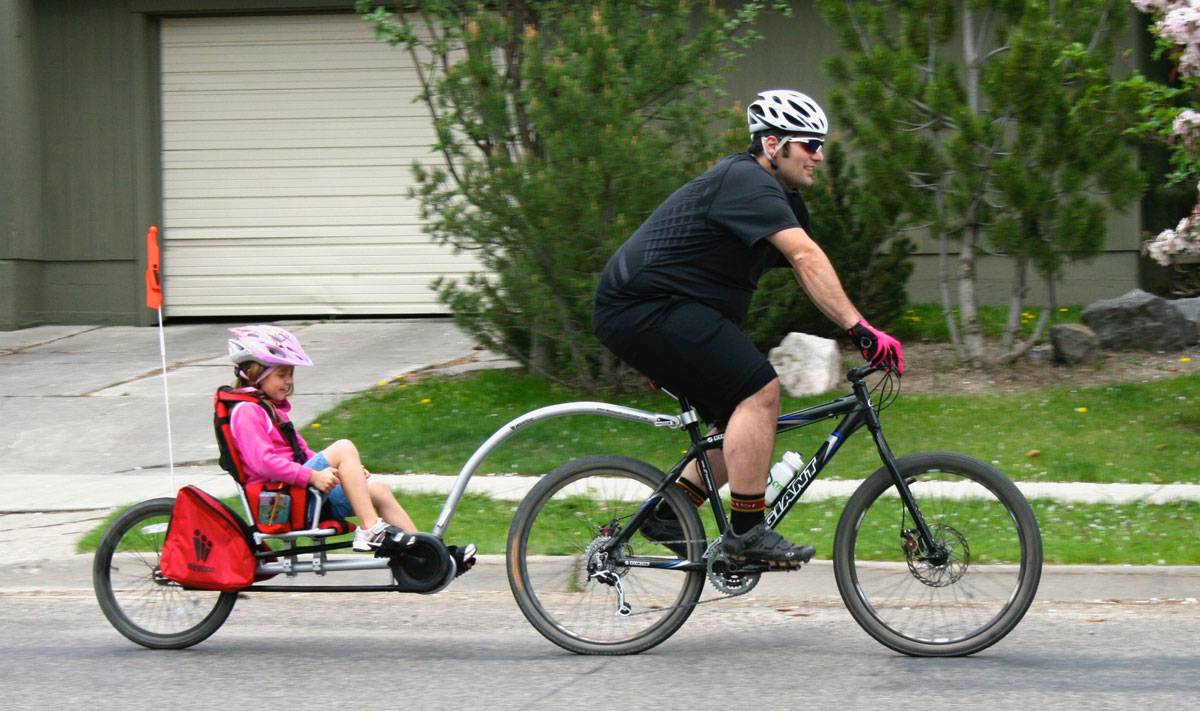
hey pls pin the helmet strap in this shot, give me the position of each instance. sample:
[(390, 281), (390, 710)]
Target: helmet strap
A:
[(237, 370), (774, 166), (769, 154)]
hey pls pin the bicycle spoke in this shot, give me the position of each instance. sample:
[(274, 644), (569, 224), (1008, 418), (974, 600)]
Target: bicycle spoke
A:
[(568, 582), (143, 606), (965, 593)]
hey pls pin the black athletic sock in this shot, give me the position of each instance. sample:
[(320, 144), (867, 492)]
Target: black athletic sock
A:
[(748, 510), (695, 494)]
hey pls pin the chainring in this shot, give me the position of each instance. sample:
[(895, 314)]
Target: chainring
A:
[(720, 574)]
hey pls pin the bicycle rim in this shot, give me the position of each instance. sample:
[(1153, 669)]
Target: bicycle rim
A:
[(954, 605), (137, 600), (556, 533)]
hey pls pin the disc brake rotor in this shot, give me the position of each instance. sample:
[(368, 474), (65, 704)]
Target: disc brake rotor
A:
[(952, 560)]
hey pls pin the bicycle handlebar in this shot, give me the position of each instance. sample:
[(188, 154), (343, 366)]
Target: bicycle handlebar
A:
[(861, 372)]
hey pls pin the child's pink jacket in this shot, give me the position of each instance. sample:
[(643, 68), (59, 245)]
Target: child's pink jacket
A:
[(265, 453)]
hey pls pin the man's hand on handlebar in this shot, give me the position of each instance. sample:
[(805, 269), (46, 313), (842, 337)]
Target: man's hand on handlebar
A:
[(877, 347)]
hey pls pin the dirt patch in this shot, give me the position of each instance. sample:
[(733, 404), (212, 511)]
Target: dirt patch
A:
[(934, 368)]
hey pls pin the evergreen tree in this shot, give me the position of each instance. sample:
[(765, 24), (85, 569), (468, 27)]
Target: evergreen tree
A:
[(999, 126), (561, 125)]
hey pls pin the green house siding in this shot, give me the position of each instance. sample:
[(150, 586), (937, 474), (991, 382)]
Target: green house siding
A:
[(82, 181)]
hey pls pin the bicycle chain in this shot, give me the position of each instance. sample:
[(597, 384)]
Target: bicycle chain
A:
[(718, 598)]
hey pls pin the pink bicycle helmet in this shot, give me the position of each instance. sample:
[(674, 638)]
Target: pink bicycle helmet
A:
[(269, 345)]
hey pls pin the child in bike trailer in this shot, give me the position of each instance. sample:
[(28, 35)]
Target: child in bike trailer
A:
[(264, 357)]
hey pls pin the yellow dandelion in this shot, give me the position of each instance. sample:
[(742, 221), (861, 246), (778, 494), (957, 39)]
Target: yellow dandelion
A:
[(381, 383), (426, 401), (1185, 359), (1081, 409), (315, 425), (1063, 309)]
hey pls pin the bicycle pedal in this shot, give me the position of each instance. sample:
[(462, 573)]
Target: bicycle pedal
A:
[(784, 565)]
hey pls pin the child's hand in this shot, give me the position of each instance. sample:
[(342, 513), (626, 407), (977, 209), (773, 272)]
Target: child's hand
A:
[(323, 480)]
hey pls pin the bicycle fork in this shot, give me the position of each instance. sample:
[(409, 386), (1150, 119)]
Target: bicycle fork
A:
[(934, 553)]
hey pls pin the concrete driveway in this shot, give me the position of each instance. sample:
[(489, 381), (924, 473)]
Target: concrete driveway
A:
[(83, 412)]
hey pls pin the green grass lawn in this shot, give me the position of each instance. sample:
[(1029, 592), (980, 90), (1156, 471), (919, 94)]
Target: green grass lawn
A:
[(1132, 433), (1139, 433), (1162, 534), (925, 322)]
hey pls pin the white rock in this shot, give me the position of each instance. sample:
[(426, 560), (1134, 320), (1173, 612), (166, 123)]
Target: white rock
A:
[(807, 365)]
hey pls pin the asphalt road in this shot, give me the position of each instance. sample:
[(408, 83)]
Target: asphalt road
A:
[(474, 650)]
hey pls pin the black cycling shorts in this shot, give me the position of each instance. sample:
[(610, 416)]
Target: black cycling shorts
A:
[(687, 348)]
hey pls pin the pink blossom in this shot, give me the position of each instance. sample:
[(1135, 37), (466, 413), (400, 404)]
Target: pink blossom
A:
[(1187, 126), (1183, 240), (1181, 25), (1189, 62), (1154, 6), (1149, 6)]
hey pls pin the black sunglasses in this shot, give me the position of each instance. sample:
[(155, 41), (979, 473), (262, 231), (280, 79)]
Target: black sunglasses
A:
[(812, 145)]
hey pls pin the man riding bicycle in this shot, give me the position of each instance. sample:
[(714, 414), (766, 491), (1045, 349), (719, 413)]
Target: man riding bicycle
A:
[(669, 300)]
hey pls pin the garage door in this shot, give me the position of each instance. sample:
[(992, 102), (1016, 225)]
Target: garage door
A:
[(288, 143)]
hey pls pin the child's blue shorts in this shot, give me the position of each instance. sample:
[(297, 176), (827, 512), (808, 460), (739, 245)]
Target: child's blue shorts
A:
[(336, 503)]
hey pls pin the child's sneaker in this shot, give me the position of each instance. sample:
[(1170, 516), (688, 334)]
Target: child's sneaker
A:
[(464, 558), (366, 539)]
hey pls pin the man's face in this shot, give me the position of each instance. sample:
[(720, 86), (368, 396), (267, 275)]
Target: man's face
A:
[(796, 164)]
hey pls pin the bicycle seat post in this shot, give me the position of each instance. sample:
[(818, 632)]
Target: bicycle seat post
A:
[(690, 418)]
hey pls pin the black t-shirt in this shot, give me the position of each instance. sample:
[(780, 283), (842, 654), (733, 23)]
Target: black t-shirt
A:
[(706, 242)]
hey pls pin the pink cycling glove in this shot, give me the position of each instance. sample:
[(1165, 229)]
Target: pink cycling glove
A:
[(877, 347)]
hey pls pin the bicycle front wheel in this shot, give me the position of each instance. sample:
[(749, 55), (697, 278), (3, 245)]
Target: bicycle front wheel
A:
[(569, 590), (136, 598), (970, 590)]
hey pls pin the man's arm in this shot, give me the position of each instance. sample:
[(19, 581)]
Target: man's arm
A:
[(816, 275)]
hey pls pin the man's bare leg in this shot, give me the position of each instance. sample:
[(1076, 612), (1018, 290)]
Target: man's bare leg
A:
[(750, 439)]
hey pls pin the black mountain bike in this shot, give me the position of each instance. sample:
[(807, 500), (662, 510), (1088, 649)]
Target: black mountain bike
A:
[(935, 554)]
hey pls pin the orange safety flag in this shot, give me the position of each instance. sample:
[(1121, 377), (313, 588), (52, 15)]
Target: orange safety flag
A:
[(154, 296)]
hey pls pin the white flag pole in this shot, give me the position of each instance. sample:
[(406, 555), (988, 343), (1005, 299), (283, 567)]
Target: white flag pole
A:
[(154, 301), (162, 352)]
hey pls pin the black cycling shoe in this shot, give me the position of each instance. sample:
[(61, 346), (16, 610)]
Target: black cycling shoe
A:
[(665, 531), (764, 545)]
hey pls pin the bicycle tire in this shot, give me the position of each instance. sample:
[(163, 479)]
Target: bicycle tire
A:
[(959, 607), (554, 591), (141, 604)]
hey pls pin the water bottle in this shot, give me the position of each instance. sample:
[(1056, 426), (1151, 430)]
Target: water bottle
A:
[(781, 475)]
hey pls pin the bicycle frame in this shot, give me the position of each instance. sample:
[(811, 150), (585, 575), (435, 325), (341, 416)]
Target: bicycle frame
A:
[(856, 412), (855, 409)]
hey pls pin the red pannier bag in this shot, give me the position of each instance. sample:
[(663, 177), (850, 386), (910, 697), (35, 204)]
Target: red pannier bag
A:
[(208, 546)]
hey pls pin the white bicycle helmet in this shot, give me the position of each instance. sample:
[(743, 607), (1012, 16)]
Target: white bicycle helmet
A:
[(269, 345), (786, 110)]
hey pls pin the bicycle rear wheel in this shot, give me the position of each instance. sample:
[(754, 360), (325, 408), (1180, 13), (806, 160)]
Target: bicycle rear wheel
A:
[(136, 598), (564, 585), (970, 592)]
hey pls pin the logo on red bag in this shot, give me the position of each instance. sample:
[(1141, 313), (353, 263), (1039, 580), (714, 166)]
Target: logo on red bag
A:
[(203, 547)]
